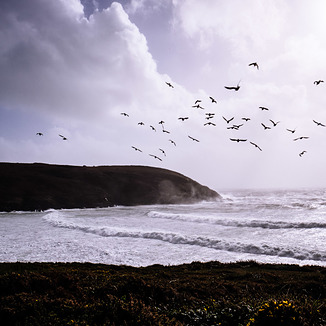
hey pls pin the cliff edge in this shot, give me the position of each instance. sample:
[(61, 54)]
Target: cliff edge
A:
[(38, 186)]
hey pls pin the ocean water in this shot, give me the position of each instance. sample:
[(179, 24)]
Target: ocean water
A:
[(265, 226)]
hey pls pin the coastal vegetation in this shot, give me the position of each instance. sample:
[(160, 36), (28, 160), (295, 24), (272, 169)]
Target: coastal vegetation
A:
[(242, 293)]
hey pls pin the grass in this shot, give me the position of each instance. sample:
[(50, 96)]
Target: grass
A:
[(244, 293)]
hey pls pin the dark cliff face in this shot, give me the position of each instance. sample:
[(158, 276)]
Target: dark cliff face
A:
[(42, 186)]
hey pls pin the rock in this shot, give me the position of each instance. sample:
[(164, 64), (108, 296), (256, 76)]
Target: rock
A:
[(40, 186)]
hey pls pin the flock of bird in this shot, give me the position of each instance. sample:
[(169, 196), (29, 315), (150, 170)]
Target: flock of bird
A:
[(210, 115)]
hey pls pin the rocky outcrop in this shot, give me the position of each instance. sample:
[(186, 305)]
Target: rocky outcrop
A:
[(40, 186)]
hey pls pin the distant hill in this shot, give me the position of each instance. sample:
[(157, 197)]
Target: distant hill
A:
[(40, 186)]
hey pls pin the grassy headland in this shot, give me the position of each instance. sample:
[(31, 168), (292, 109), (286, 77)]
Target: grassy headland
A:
[(213, 293), (29, 187)]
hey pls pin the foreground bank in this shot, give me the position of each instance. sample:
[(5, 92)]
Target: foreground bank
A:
[(211, 293)]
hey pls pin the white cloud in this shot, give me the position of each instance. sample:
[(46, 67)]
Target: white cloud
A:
[(244, 24), (74, 76)]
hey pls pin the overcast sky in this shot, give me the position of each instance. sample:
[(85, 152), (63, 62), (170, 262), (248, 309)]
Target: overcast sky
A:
[(70, 68)]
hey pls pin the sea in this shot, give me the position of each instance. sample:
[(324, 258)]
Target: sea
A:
[(274, 226)]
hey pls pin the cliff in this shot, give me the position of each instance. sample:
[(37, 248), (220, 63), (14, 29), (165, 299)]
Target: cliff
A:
[(40, 186)]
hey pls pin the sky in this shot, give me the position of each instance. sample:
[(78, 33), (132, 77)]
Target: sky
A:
[(71, 68)]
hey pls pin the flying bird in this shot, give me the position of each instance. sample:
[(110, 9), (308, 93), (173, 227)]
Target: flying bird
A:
[(162, 151), (183, 118), (172, 142), (141, 123), (318, 123), (158, 158), (291, 130), (136, 149), (317, 82), (63, 137), (263, 108), (209, 116), (198, 106), (255, 145), (194, 139), (246, 119), (302, 153), (238, 140), (235, 88), (274, 123), (197, 101), (212, 99), (169, 84), (209, 124), (302, 137), (228, 120), (39, 133), (237, 126), (254, 64), (265, 127), (153, 128), (125, 114), (166, 131)]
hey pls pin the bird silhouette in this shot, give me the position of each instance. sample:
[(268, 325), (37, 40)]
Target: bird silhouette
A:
[(246, 119), (263, 108), (183, 118), (141, 123), (169, 84), (228, 120), (209, 116), (197, 101), (302, 153), (209, 124), (158, 158), (212, 99), (254, 64), (302, 137), (238, 140), (265, 127), (172, 142), (153, 128), (274, 123), (291, 130), (125, 114), (255, 145), (198, 106), (63, 137), (194, 139), (162, 151), (136, 149), (317, 82), (235, 88), (39, 133), (237, 126), (166, 131), (318, 123)]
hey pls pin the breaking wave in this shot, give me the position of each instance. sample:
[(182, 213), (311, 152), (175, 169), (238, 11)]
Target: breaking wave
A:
[(236, 223), (58, 220)]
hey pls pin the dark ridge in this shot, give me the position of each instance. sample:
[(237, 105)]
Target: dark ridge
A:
[(38, 186)]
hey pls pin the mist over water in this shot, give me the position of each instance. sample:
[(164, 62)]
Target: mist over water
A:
[(266, 226)]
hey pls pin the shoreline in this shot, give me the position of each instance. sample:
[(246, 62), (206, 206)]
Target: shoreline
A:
[(188, 294)]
